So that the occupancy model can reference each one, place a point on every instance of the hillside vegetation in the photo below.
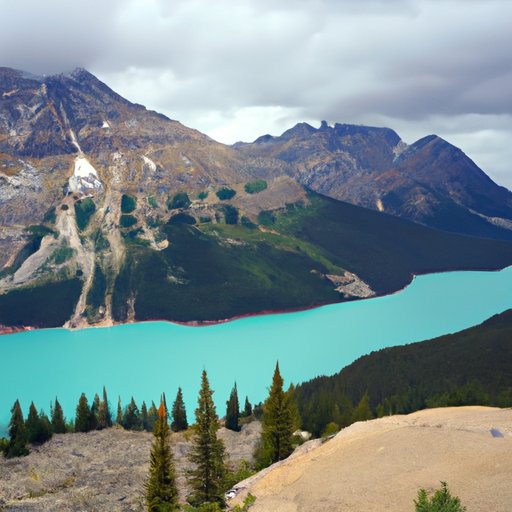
(470, 367)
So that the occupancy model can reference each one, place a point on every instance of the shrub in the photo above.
(84, 210)
(225, 193)
(230, 214)
(128, 203)
(202, 195)
(179, 200)
(247, 223)
(254, 187)
(127, 221)
(441, 501)
(182, 218)
(266, 218)
(152, 202)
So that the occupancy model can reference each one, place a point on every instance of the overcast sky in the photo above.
(241, 68)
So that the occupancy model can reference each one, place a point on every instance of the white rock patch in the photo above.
(149, 163)
(85, 179)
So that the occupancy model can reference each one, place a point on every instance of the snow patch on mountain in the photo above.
(85, 180)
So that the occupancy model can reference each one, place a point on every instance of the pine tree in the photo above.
(144, 416)
(233, 411)
(363, 412)
(38, 428)
(58, 421)
(83, 415)
(32, 424)
(95, 411)
(161, 491)
(152, 417)
(179, 414)
(17, 445)
(131, 416)
(247, 408)
(104, 414)
(207, 453)
(277, 422)
(119, 418)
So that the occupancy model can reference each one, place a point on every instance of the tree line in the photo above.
(211, 476)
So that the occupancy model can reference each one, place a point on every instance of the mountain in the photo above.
(431, 181)
(470, 367)
(113, 213)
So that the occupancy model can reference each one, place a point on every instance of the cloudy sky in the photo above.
(241, 68)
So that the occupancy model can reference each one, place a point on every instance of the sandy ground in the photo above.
(380, 465)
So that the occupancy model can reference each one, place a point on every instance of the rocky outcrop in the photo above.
(381, 464)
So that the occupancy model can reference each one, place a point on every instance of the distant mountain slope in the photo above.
(431, 181)
(473, 366)
(127, 215)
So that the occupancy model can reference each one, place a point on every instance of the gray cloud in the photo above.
(240, 69)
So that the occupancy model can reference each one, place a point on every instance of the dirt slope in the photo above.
(380, 465)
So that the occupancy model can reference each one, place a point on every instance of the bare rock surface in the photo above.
(99, 471)
(380, 465)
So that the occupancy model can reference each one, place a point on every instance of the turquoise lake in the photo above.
(147, 358)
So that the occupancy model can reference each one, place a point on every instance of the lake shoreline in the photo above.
(5, 330)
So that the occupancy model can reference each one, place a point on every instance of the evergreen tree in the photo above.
(144, 416)
(95, 411)
(32, 424)
(179, 414)
(58, 421)
(441, 501)
(277, 422)
(247, 408)
(233, 411)
(131, 416)
(119, 418)
(363, 412)
(38, 427)
(104, 414)
(83, 415)
(17, 445)
(207, 453)
(152, 417)
(161, 491)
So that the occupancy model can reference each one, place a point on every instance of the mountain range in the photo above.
(112, 213)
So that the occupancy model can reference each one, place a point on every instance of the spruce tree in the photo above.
(131, 416)
(104, 414)
(144, 416)
(95, 411)
(38, 427)
(58, 421)
(277, 422)
(119, 418)
(247, 408)
(152, 417)
(83, 415)
(207, 453)
(17, 445)
(32, 425)
(179, 414)
(161, 491)
(233, 411)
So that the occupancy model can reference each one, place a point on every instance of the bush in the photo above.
(128, 203)
(127, 221)
(84, 210)
(266, 218)
(254, 187)
(230, 214)
(225, 193)
(202, 195)
(441, 501)
(247, 223)
(152, 202)
(179, 200)
(205, 219)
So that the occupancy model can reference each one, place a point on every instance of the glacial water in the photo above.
(147, 358)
